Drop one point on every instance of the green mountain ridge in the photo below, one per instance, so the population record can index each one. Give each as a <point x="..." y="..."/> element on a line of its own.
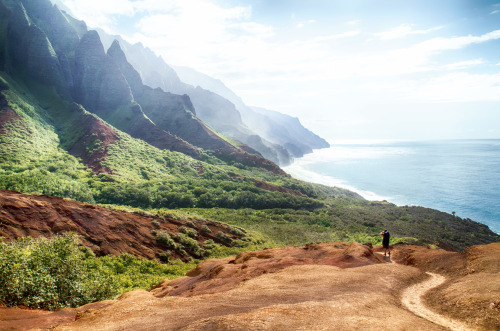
<point x="219" y="107"/>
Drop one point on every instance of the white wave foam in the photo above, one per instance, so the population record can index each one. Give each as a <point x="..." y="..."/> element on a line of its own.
<point x="347" y="153"/>
<point x="299" y="172"/>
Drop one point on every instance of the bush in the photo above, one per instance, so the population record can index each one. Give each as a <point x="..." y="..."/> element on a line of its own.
<point x="224" y="237"/>
<point x="189" y="232"/>
<point x="205" y="229"/>
<point x="164" y="238"/>
<point x="51" y="273"/>
<point x="209" y="244"/>
<point x="188" y="244"/>
<point x="236" y="231"/>
<point x="191" y="224"/>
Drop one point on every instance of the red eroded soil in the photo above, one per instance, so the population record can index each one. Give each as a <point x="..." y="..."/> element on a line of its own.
<point x="7" y="115"/>
<point x="219" y="275"/>
<point x="97" y="134"/>
<point x="105" y="231"/>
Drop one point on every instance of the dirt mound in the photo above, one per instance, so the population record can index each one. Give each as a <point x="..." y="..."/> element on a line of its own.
<point x="433" y="260"/>
<point x="21" y="319"/>
<point x="220" y="275"/>
<point x="104" y="230"/>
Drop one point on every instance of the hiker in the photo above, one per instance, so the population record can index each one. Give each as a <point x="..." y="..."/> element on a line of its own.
<point x="385" y="241"/>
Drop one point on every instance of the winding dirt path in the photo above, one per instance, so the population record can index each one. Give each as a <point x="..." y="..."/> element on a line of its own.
<point x="412" y="299"/>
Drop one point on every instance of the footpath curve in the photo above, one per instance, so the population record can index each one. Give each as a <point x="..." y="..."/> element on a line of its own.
<point x="412" y="300"/>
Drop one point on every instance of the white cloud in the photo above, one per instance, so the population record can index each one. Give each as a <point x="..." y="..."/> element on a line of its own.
<point x="337" y="36"/>
<point x="353" y="22"/>
<point x="402" y="31"/>
<point x="453" y="87"/>
<point x="496" y="10"/>
<point x="440" y="44"/>
<point x="304" y="23"/>
<point x="415" y="58"/>
<point x="462" y="65"/>
<point x="98" y="13"/>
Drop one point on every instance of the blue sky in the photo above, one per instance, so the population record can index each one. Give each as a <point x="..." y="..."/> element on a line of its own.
<point x="352" y="69"/>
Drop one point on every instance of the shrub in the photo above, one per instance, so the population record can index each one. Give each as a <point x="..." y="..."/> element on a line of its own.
<point x="192" y="233"/>
<point x="209" y="244"/>
<point x="133" y="272"/>
<point x="51" y="273"/>
<point x="240" y="243"/>
<point x="236" y="231"/>
<point x="224" y="237"/>
<point x="164" y="238"/>
<point x="189" y="232"/>
<point x="165" y="256"/>
<point x="156" y="224"/>
<point x="189" y="244"/>
<point x="205" y="229"/>
<point x="191" y="224"/>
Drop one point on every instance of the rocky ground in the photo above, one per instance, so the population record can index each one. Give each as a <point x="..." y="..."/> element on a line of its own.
<point x="316" y="287"/>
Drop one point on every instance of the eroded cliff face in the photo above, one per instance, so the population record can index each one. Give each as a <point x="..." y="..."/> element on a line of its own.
<point x="131" y="75"/>
<point x="88" y="62"/>
<point x="105" y="231"/>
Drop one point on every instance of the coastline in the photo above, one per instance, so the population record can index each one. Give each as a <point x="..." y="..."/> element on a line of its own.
<point x="296" y="171"/>
<point x="317" y="167"/>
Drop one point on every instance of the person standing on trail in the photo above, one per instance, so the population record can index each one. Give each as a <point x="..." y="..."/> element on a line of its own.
<point x="385" y="241"/>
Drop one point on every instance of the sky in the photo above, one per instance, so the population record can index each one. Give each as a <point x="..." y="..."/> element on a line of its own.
<point x="349" y="70"/>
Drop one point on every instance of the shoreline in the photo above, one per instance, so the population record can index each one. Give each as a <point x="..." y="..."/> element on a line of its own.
<point x="299" y="170"/>
<point x="316" y="178"/>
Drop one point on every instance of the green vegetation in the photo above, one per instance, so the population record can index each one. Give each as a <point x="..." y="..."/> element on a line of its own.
<point x="361" y="222"/>
<point x="34" y="159"/>
<point x="50" y="274"/>
<point x="59" y="272"/>
<point x="131" y="272"/>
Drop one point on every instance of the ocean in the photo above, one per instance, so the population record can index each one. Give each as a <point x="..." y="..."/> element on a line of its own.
<point x="461" y="176"/>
